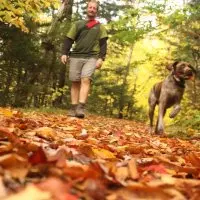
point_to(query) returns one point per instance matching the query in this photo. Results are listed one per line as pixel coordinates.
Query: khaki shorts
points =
(81, 68)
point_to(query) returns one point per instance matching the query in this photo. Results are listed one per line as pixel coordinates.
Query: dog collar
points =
(179, 82)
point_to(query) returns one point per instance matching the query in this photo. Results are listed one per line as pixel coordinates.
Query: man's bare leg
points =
(84, 90)
(83, 95)
(75, 90)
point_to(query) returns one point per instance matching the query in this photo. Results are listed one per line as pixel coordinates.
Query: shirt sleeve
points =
(72, 32)
(103, 32)
(67, 46)
(103, 42)
(103, 48)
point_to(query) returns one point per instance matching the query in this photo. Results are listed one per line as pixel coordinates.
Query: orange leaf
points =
(38, 157)
(103, 153)
(133, 169)
(156, 168)
(71, 197)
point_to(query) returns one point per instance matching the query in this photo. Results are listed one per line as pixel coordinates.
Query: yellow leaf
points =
(46, 132)
(30, 193)
(103, 153)
(122, 174)
(6, 112)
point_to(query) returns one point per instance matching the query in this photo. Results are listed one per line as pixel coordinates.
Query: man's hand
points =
(99, 63)
(64, 59)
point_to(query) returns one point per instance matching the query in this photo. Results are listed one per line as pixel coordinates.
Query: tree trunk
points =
(65, 11)
(124, 84)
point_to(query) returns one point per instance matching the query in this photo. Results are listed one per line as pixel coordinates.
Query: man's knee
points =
(85, 80)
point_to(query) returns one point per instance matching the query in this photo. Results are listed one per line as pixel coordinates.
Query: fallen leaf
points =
(5, 146)
(6, 132)
(7, 112)
(103, 153)
(3, 191)
(83, 135)
(94, 159)
(95, 188)
(156, 168)
(121, 174)
(11, 159)
(38, 157)
(193, 158)
(31, 192)
(46, 133)
(132, 166)
(58, 189)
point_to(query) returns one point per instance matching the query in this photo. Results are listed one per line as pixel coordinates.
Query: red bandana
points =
(92, 23)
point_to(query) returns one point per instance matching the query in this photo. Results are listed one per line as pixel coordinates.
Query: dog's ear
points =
(172, 66)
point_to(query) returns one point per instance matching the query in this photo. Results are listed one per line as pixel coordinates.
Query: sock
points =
(73, 106)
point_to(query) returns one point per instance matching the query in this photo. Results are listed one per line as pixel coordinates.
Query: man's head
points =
(92, 9)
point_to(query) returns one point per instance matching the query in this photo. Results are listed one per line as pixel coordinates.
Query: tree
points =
(15, 12)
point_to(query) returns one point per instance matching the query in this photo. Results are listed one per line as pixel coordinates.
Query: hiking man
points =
(88, 53)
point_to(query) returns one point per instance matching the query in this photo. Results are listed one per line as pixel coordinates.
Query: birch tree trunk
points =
(65, 11)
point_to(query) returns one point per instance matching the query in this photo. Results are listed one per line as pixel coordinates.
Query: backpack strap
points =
(87, 25)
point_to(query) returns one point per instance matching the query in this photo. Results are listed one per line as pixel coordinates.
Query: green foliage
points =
(13, 12)
(130, 27)
(190, 118)
(58, 92)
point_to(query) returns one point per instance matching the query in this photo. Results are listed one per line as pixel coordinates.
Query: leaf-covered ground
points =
(55, 157)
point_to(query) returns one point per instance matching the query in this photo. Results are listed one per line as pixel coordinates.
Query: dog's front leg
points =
(160, 122)
(175, 111)
(151, 114)
(152, 104)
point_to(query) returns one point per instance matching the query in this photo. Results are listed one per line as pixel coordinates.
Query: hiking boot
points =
(80, 110)
(72, 111)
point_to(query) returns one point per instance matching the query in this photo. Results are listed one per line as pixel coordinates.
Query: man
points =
(88, 54)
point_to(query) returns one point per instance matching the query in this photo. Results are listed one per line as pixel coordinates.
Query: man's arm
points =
(102, 53)
(66, 48)
(103, 48)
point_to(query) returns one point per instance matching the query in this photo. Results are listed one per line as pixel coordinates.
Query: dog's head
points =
(182, 70)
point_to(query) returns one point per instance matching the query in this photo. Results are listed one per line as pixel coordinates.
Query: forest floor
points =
(47, 156)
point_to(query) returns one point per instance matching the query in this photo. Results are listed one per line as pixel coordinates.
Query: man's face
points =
(92, 10)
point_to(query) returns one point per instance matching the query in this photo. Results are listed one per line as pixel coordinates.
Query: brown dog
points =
(169, 93)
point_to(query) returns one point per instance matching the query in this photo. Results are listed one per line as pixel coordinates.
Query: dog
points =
(169, 93)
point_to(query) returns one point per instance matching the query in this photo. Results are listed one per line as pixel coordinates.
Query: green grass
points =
(181, 132)
(49, 110)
